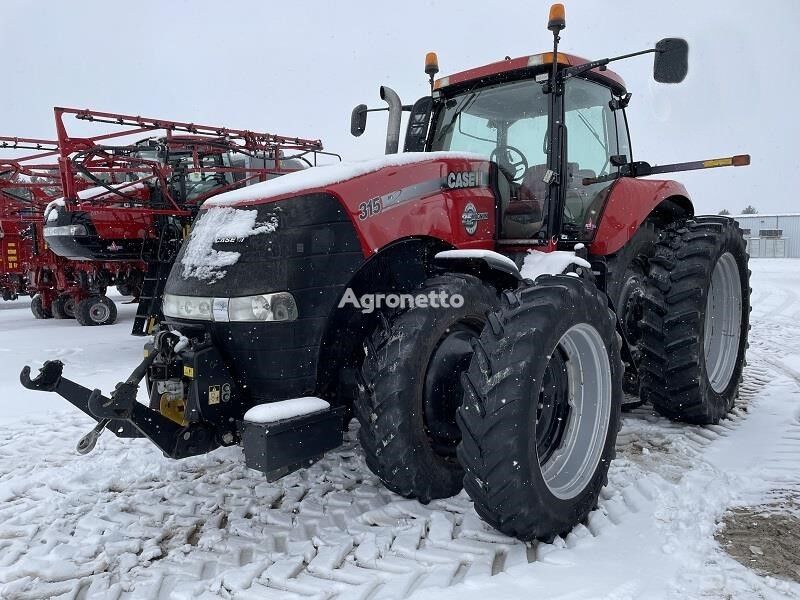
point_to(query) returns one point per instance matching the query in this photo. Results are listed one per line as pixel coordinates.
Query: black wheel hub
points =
(552, 412)
(442, 392)
(632, 307)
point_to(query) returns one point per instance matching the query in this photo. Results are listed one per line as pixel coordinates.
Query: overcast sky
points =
(298, 68)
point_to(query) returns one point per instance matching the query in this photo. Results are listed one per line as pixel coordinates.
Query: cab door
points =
(593, 138)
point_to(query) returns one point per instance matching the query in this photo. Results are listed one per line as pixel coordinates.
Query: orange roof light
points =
(557, 20)
(431, 64)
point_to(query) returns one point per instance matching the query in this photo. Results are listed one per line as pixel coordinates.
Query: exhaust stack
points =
(391, 98)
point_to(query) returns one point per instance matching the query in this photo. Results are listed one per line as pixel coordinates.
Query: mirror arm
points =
(579, 69)
(406, 108)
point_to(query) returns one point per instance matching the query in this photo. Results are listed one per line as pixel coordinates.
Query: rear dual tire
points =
(38, 309)
(696, 320)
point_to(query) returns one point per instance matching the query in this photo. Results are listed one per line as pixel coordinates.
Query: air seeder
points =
(514, 391)
(28, 184)
(144, 195)
(24, 183)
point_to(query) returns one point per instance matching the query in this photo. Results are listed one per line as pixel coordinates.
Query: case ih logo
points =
(464, 179)
(471, 216)
(114, 247)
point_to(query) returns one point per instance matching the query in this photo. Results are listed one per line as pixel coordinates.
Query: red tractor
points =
(409, 291)
(143, 196)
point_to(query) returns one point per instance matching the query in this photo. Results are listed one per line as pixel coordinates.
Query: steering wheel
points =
(508, 163)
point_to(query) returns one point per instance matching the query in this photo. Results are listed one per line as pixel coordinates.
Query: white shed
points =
(771, 236)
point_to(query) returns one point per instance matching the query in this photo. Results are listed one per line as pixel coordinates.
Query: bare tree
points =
(724, 211)
(749, 210)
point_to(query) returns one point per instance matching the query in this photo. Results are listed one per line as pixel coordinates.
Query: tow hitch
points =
(195, 407)
(121, 413)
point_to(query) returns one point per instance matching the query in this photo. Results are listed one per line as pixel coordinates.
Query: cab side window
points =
(592, 139)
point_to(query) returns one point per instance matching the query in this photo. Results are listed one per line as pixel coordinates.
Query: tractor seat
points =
(523, 215)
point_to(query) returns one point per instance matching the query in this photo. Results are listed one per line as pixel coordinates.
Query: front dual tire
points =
(409, 388)
(541, 408)
(517, 400)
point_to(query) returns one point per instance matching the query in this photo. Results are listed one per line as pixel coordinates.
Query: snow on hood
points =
(550, 263)
(48, 214)
(90, 193)
(318, 177)
(99, 190)
(200, 260)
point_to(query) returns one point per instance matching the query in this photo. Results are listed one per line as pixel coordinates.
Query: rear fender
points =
(633, 201)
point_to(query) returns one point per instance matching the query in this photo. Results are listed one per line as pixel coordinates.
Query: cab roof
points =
(608, 77)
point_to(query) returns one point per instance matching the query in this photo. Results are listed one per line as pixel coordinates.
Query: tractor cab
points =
(504, 117)
(552, 126)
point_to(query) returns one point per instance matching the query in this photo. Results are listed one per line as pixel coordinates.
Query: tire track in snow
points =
(136, 524)
(125, 522)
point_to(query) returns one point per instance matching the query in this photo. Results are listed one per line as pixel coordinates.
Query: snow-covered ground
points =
(125, 522)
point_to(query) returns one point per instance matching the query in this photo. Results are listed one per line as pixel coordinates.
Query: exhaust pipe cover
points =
(391, 98)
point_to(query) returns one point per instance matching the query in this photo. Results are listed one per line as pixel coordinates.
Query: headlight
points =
(263, 307)
(187, 307)
(66, 230)
(279, 306)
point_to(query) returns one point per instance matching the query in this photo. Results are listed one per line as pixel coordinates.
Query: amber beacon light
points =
(431, 65)
(557, 20)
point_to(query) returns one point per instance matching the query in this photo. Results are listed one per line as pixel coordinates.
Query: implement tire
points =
(38, 310)
(409, 389)
(541, 408)
(96, 310)
(696, 321)
(64, 307)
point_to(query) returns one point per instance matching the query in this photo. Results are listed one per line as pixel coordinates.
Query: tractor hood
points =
(100, 224)
(332, 178)
(307, 234)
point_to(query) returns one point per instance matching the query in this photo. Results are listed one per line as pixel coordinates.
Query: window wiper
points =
(462, 106)
(591, 129)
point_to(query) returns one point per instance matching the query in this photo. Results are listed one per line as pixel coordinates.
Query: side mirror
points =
(358, 120)
(672, 60)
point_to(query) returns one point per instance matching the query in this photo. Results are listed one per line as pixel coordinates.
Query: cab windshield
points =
(490, 119)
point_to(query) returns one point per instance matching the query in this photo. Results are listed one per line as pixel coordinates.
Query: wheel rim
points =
(584, 407)
(69, 308)
(723, 322)
(99, 312)
(442, 391)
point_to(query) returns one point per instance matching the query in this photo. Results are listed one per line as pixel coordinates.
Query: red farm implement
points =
(24, 184)
(28, 184)
(147, 179)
